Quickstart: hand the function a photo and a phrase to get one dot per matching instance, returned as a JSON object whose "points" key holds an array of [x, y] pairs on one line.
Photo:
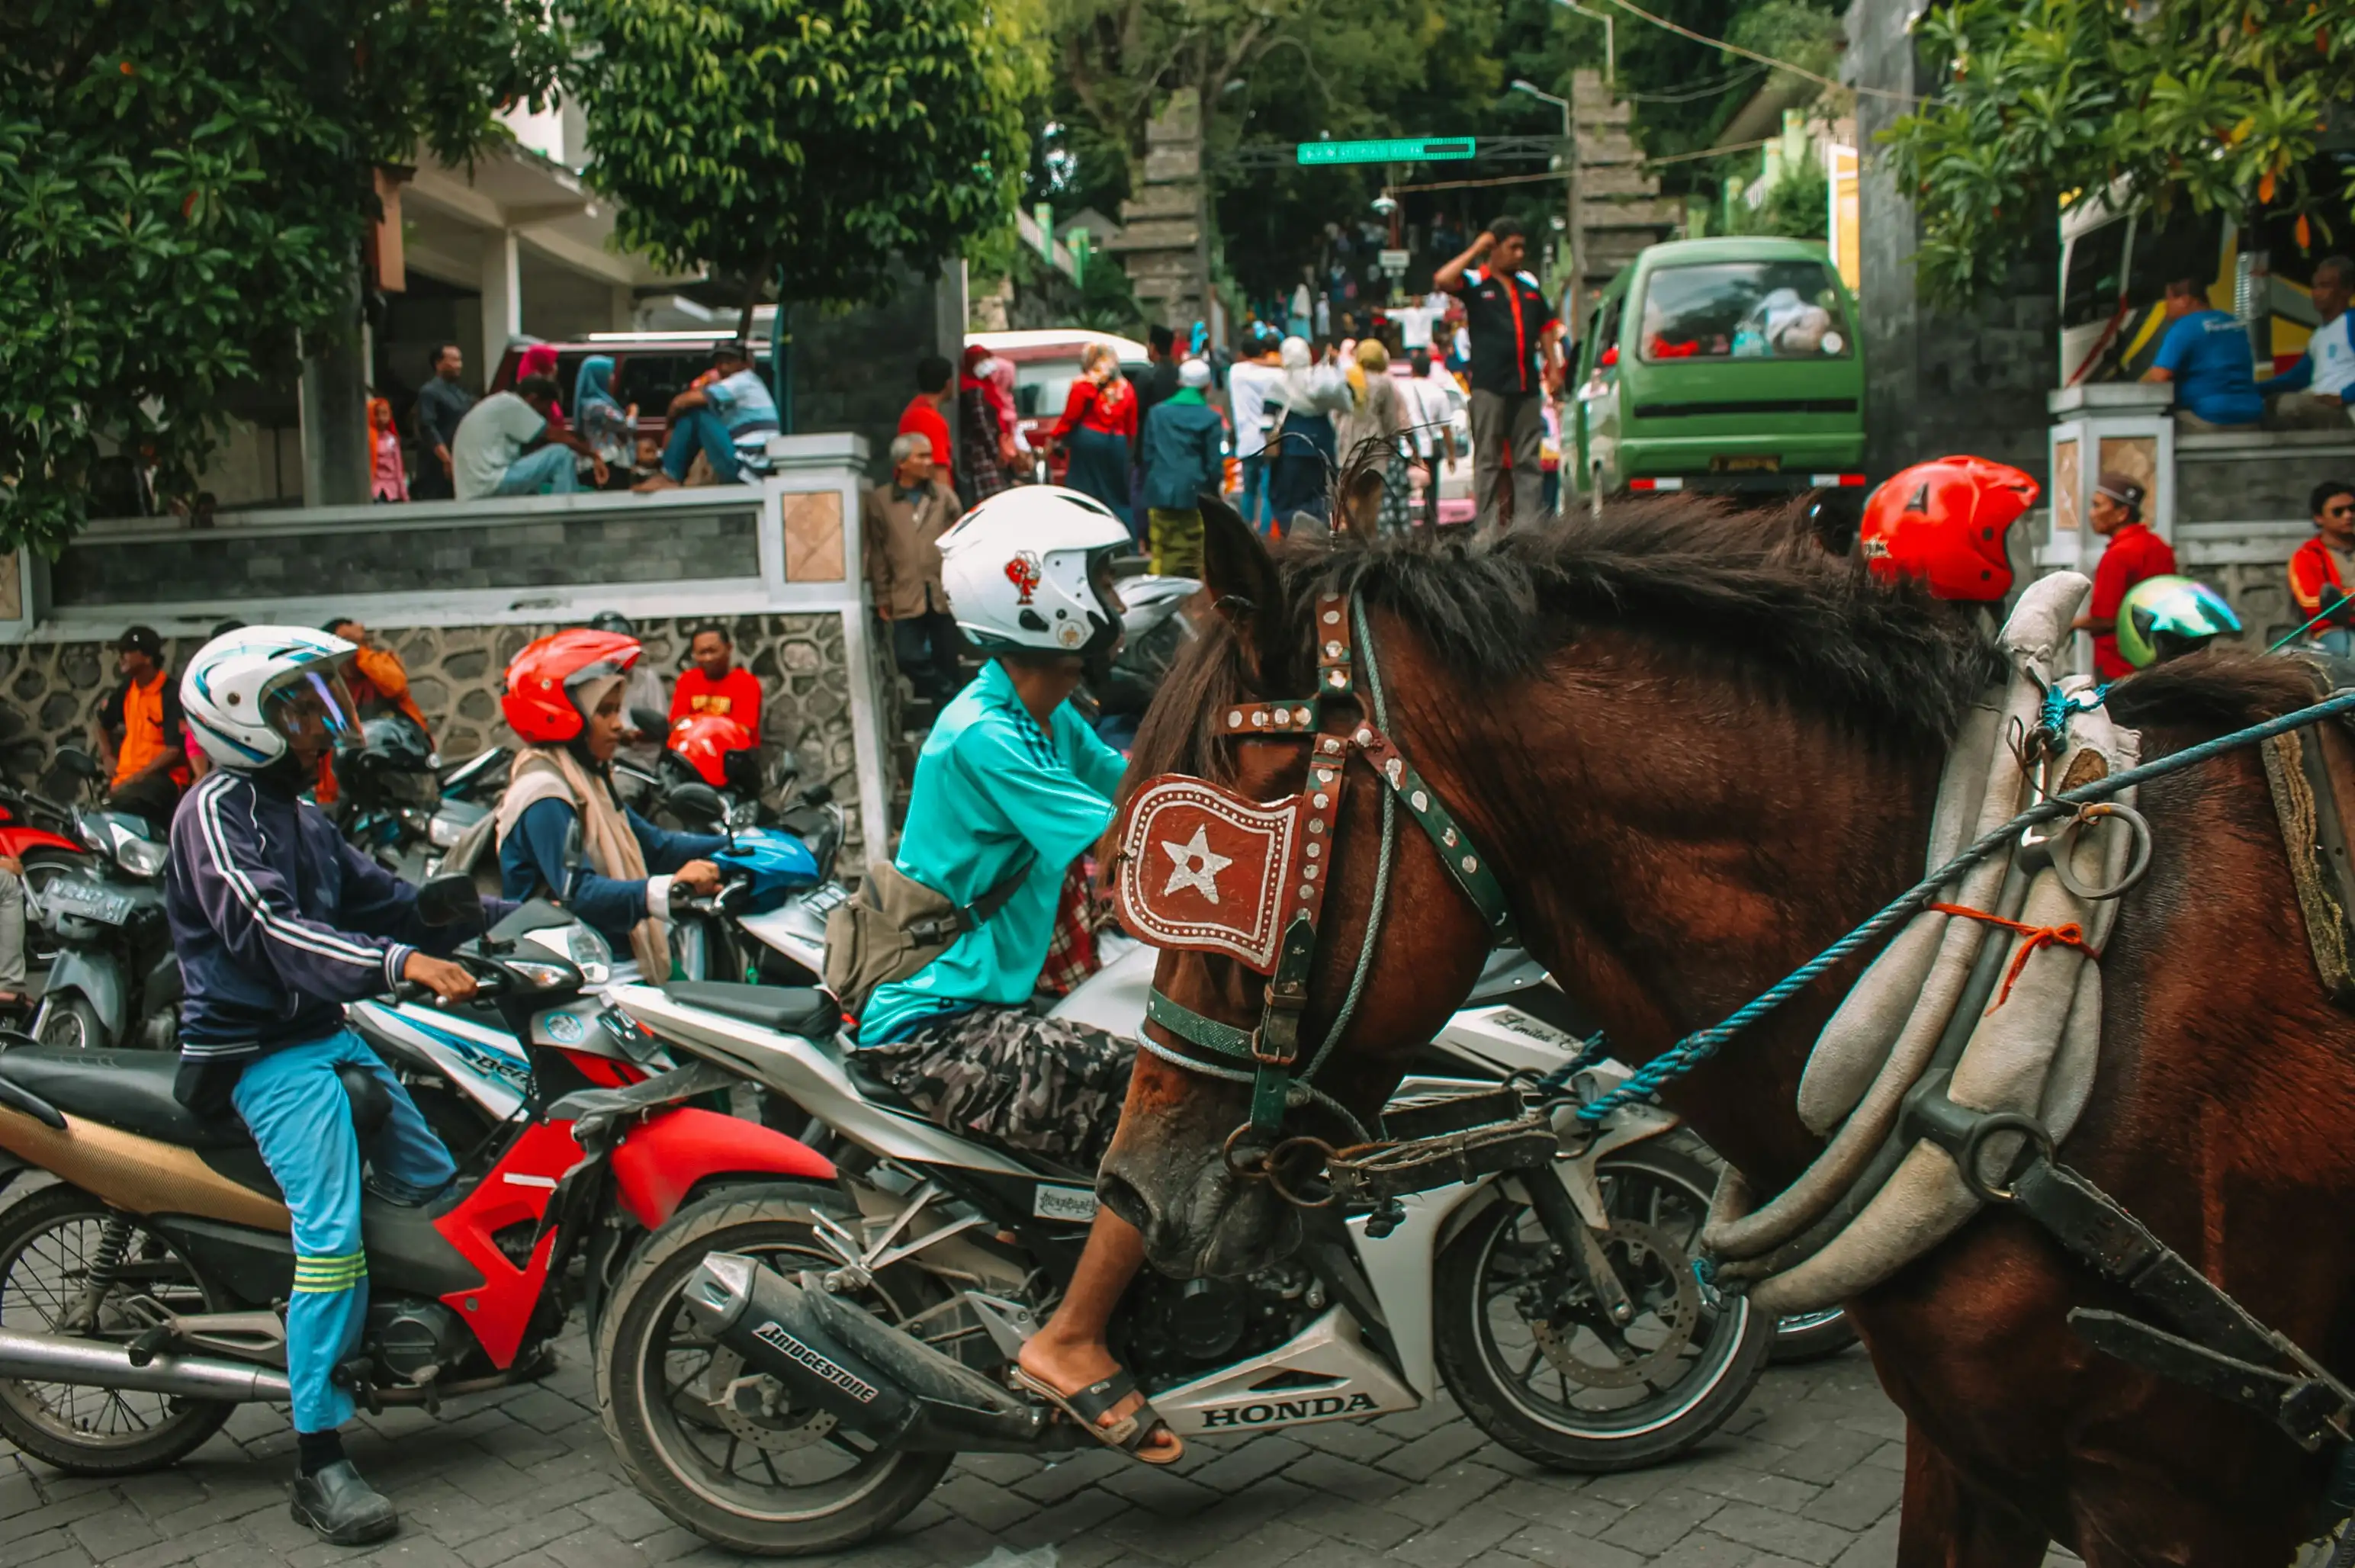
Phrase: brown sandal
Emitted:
{"points": [[1089, 1405]]}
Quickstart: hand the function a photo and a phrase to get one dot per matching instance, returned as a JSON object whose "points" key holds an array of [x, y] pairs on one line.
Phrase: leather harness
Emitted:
{"points": [[1272, 1049]]}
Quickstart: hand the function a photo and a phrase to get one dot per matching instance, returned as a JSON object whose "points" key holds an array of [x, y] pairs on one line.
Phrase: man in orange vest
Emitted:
{"points": [[379, 684], [138, 732]]}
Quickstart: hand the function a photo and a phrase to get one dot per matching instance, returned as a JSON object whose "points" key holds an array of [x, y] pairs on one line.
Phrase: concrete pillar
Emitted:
{"points": [[334, 407], [1936, 383], [502, 298]]}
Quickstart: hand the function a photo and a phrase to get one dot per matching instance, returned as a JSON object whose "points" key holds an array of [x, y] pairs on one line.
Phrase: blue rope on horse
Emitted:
{"points": [[1695, 1049]]}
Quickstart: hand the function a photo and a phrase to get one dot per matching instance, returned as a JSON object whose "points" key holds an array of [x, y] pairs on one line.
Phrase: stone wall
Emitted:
{"points": [[50, 691], [231, 564]]}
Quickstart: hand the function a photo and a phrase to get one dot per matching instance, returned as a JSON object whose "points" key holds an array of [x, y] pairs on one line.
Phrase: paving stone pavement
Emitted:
{"points": [[1807, 1474]]}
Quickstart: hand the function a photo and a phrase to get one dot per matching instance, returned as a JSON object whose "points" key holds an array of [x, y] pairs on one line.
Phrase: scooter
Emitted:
{"points": [[1468, 1288], [113, 981], [136, 1292]]}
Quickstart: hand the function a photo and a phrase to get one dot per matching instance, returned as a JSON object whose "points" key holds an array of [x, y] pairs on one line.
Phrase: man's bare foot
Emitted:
{"points": [[1068, 1368], [658, 482]]}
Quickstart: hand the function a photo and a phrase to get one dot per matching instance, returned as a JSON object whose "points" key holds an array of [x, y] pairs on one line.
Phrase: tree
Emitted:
{"points": [[2218, 103], [184, 186], [804, 140]]}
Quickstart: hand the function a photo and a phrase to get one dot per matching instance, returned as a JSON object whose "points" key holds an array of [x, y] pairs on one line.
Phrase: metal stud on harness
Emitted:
{"points": [[1293, 841]]}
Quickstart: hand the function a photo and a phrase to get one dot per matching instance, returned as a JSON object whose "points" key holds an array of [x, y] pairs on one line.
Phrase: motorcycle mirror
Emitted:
{"points": [[698, 800], [76, 761], [449, 900], [649, 721]]}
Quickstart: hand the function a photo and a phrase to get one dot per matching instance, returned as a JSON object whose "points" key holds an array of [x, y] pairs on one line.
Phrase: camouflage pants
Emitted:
{"points": [[1013, 1079]]}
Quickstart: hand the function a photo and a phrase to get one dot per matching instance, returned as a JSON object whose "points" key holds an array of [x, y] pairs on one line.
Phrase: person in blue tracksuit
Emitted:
{"points": [[277, 923]]}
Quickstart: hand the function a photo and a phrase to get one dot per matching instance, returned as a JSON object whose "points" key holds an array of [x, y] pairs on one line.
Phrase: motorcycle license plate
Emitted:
{"points": [[86, 900]]}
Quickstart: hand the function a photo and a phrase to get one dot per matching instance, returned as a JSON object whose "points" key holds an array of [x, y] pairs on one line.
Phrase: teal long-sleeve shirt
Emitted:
{"points": [[991, 788]]}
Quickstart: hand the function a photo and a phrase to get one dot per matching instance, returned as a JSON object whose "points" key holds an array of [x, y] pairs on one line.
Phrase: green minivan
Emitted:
{"points": [[1728, 365]]}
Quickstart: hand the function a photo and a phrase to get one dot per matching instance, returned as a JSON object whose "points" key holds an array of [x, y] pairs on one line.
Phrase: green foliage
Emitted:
{"points": [[807, 139], [2219, 103], [1798, 207], [184, 184]]}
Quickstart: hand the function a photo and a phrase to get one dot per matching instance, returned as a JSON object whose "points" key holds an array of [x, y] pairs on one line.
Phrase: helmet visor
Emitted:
{"points": [[312, 708]]}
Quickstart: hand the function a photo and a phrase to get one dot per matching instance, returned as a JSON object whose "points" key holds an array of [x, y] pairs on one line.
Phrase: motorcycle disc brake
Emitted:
{"points": [[765, 1427], [1655, 1272]]}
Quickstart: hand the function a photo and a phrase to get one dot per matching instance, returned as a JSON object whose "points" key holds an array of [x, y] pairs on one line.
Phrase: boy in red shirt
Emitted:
{"points": [[715, 683], [926, 415], [2132, 554]]}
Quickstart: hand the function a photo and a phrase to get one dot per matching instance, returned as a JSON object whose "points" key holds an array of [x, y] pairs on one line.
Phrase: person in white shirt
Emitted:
{"points": [[1414, 322], [2314, 394], [1431, 412], [505, 446], [1251, 382]]}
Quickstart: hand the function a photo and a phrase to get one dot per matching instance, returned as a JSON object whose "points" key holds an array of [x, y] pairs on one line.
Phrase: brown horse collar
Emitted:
{"points": [[1300, 835]]}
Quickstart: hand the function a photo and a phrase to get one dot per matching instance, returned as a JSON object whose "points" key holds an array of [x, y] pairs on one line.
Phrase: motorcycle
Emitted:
{"points": [[114, 980], [1155, 631], [1472, 1287], [135, 1291], [388, 788]]}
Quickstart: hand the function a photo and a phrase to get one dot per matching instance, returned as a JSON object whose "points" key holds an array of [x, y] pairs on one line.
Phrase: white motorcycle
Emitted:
{"points": [[822, 1385]]}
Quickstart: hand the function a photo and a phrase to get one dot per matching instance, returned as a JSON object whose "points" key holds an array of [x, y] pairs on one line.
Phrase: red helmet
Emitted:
{"points": [[1945, 523], [539, 704], [705, 740]]}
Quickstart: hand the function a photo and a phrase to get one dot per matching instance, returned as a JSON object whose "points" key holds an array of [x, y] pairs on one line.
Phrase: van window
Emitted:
{"points": [[1745, 310], [2185, 245], [651, 379], [1041, 387], [1605, 332], [2095, 275]]}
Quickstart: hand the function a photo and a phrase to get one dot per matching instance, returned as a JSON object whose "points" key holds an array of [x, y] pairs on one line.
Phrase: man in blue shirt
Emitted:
{"points": [[734, 406], [2206, 354], [1012, 788]]}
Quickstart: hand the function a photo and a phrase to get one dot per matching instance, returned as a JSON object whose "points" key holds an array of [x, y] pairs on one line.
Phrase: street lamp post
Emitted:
{"points": [[1572, 240]]}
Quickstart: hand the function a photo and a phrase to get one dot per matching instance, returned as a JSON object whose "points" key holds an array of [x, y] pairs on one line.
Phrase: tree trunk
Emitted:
{"points": [[753, 283]]}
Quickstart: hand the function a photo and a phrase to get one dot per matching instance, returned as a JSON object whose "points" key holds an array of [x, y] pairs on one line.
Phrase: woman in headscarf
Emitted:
{"points": [[563, 833], [1304, 452], [1376, 413], [985, 449], [610, 429], [389, 480], [1099, 427], [539, 359]]}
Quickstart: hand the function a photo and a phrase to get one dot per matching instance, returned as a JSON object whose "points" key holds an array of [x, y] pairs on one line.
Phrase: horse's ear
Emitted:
{"points": [[1244, 587]]}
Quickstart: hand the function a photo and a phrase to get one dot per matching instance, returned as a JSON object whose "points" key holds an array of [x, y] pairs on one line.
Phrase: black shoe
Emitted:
{"points": [[344, 1509]]}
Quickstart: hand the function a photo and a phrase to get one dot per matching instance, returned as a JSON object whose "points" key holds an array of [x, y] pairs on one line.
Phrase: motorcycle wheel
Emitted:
{"points": [[68, 1023], [1812, 1337], [1559, 1393], [47, 1242], [780, 1485]]}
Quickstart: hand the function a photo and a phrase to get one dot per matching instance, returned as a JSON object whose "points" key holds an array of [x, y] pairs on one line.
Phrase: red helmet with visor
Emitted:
{"points": [[1943, 523], [540, 705], [704, 742]]}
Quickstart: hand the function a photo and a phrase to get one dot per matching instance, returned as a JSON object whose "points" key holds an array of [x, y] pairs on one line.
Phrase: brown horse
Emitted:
{"points": [[1699, 750]]}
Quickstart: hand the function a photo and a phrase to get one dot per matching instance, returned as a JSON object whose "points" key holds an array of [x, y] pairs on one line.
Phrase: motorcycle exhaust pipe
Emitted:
{"points": [[94, 1363], [879, 1381]]}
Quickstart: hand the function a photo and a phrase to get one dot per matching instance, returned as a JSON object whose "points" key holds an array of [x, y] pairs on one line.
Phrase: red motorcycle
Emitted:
{"points": [[136, 1292]]}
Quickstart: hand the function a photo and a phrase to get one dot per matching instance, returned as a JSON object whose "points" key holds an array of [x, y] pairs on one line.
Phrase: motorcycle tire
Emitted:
{"points": [[665, 1443], [1812, 1337], [69, 1437], [1734, 1341], [68, 1023]]}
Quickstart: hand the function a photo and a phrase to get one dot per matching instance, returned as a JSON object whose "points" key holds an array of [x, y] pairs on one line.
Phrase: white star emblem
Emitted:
{"points": [[1194, 865]]}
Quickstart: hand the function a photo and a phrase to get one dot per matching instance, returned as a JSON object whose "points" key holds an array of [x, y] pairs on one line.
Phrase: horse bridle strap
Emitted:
{"points": [[1272, 1049]]}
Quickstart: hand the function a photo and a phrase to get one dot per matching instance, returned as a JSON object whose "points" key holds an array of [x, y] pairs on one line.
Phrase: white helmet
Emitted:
{"points": [[244, 692], [1017, 568]]}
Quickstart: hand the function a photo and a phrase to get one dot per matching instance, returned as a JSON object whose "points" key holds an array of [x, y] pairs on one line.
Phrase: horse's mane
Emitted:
{"points": [[1723, 593], [1750, 595]]}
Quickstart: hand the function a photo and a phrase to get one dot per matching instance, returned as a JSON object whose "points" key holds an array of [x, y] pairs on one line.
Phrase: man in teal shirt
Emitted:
{"points": [[1013, 785]]}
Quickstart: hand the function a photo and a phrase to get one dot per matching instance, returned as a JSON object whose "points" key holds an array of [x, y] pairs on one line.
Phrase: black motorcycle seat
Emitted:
{"points": [[129, 1090], [789, 1009]]}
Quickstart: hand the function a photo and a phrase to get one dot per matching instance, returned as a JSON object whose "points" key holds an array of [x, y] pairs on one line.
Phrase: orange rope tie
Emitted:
{"points": [[2069, 935]]}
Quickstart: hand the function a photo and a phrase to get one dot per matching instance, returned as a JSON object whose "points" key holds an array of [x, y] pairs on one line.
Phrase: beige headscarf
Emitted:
{"points": [[553, 772]]}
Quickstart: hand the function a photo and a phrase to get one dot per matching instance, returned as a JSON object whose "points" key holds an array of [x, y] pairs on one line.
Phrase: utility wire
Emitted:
{"points": [[1739, 79], [1800, 71]]}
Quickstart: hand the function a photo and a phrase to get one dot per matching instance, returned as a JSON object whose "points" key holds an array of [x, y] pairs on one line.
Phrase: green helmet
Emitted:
{"points": [[2166, 617]]}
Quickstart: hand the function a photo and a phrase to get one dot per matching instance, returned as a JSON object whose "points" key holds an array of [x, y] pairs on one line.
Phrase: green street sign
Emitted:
{"points": [[1399, 150]]}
